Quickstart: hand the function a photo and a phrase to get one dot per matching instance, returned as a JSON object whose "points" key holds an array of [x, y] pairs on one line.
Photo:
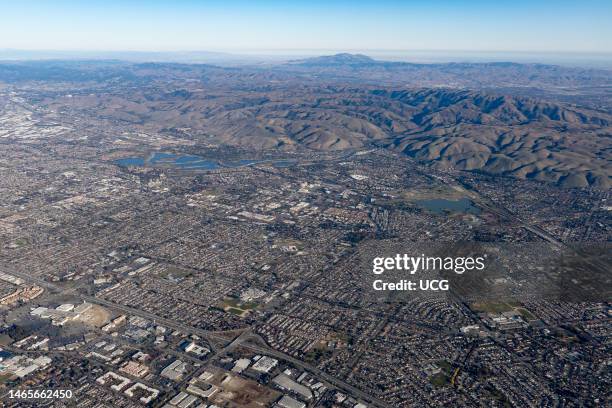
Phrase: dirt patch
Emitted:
{"points": [[95, 316], [239, 392]]}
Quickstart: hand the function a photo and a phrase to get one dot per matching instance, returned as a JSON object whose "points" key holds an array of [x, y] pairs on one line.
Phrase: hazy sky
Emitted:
{"points": [[181, 25]]}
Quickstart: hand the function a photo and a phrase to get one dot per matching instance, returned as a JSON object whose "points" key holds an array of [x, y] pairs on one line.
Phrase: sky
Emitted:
{"points": [[276, 26]]}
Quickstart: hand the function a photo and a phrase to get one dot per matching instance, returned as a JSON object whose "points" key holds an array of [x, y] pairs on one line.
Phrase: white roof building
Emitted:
{"points": [[241, 365], [265, 364]]}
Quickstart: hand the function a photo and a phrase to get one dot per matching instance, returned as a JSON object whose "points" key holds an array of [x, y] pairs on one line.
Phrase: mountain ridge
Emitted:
{"points": [[451, 128]]}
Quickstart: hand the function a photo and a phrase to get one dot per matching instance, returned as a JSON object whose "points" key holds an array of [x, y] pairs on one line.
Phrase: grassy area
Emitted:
{"points": [[21, 242], [435, 191], [316, 355], [500, 307], [445, 366], [249, 306], [235, 303], [491, 307], [231, 302], [526, 314], [443, 378], [235, 311], [299, 245], [439, 380], [175, 273]]}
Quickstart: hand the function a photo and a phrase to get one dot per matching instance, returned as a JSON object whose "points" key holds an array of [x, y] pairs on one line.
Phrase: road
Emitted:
{"points": [[339, 384]]}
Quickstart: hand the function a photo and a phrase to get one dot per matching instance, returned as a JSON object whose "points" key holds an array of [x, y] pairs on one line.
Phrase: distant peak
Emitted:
{"points": [[337, 59], [345, 56]]}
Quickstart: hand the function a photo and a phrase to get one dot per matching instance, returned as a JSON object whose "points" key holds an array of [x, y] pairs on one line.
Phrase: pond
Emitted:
{"points": [[190, 162], [161, 159]]}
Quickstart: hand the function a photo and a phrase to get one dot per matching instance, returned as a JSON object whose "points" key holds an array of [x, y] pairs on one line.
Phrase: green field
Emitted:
{"points": [[439, 380], [491, 307], [235, 306], [235, 311]]}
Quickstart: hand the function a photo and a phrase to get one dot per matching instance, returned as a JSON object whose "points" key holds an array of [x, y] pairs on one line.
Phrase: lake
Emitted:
{"points": [[190, 162], [161, 159]]}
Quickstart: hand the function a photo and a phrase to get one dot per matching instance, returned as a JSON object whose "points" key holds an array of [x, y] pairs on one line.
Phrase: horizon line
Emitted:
{"points": [[236, 50]]}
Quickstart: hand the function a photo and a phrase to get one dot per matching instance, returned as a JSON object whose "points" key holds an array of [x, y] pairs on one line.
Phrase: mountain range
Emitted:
{"points": [[305, 105]]}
